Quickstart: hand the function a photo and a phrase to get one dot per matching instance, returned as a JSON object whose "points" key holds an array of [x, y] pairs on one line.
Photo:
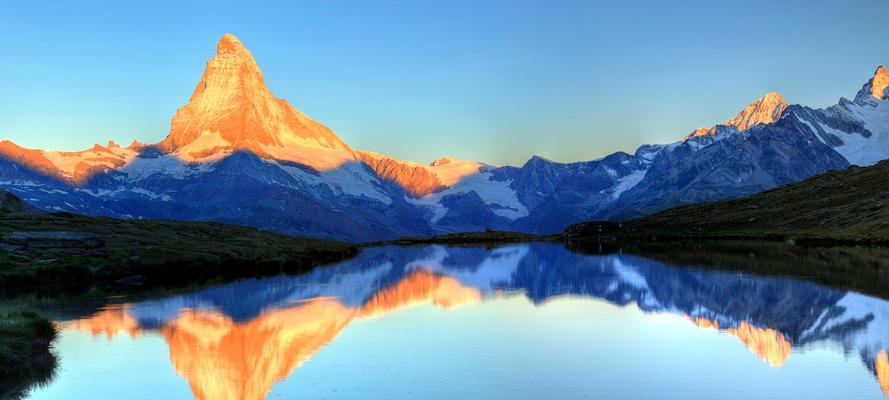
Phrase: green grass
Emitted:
{"points": [[25, 356], [162, 251], [156, 254], [850, 205], [846, 206]]}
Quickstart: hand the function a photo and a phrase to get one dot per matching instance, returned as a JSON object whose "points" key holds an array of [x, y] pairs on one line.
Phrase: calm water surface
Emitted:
{"points": [[518, 322]]}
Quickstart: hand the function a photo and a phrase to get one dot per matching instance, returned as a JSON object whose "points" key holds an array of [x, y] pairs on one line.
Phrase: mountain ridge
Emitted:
{"points": [[764, 110], [237, 154], [839, 205]]}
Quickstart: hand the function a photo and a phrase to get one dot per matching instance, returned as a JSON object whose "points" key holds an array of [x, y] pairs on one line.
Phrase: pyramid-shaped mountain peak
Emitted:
{"points": [[231, 108], [229, 44]]}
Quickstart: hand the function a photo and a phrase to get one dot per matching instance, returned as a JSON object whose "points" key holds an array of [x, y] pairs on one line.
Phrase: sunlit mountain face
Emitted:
{"points": [[237, 154], [241, 340]]}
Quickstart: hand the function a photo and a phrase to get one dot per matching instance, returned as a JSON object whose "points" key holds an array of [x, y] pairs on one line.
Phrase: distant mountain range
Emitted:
{"points": [[838, 206], [237, 154]]}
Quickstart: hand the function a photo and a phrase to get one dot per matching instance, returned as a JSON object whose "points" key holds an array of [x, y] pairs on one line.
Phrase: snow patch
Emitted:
{"points": [[452, 171], [628, 182], [858, 149], [162, 197], [489, 190], [140, 168], [349, 179]]}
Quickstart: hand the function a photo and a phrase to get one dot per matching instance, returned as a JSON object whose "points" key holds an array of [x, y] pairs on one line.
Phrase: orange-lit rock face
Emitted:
{"points": [[33, 159], [111, 322], [230, 109], [417, 180], [881, 366], [74, 167], [768, 344], [765, 110], [880, 83], [700, 132], [232, 100]]}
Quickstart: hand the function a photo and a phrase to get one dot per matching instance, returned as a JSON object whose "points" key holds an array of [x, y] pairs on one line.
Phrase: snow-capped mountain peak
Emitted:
{"points": [[859, 129], [451, 170], [237, 154], [231, 108], [764, 110], [876, 89]]}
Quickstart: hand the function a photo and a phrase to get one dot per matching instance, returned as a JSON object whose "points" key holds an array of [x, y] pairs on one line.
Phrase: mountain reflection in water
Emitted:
{"points": [[235, 341]]}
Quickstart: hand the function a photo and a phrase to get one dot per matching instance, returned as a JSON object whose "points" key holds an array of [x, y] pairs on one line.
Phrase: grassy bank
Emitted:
{"points": [[63, 248], [57, 252], [847, 206], [25, 356]]}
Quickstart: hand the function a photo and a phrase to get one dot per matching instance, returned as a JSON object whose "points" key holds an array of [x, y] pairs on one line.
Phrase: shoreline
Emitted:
{"points": [[856, 267], [67, 250], [26, 358]]}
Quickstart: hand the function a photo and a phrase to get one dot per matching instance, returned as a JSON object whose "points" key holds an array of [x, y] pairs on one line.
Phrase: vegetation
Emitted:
{"points": [[847, 206], [758, 234], [25, 357], [40, 249], [75, 252]]}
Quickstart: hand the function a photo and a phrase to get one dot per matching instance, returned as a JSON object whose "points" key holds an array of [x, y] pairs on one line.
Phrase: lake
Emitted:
{"points": [[527, 321]]}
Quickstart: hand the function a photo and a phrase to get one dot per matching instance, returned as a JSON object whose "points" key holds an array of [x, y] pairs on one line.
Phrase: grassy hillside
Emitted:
{"points": [[40, 248], [846, 205]]}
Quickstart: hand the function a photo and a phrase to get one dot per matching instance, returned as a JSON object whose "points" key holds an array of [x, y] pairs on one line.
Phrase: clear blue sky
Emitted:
{"points": [[494, 81]]}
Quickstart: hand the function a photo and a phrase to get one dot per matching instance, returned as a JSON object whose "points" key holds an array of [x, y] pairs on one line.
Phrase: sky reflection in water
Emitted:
{"points": [[524, 321]]}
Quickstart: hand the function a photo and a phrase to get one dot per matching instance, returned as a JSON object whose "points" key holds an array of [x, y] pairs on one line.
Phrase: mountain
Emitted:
{"points": [[763, 111], [737, 165], [236, 154], [768, 144], [755, 151], [39, 248], [232, 109], [850, 204], [416, 179], [9, 203], [448, 190], [857, 129]]}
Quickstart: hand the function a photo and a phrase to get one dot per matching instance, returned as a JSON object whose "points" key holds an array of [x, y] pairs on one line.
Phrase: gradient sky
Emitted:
{"points": [[494, 81]]}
